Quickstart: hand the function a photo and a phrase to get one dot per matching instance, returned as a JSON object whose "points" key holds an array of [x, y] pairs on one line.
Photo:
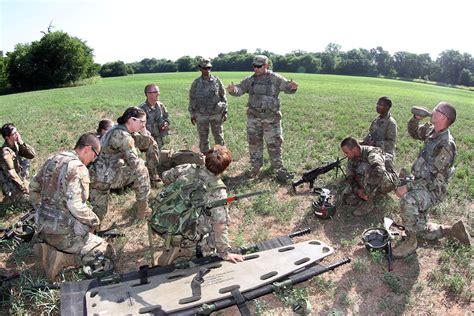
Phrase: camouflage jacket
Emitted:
{"points": [[11, 163], [118, 151], [215, 225], [156, 116], [368, 167], [264, 91], [434, 165], [207, 96], [383, 133], [61, 188]]}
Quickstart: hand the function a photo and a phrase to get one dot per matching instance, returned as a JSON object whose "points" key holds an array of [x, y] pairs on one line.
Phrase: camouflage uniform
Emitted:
{"points": [[212, 229], [147, 144], [63, 217], [118, 165], [264, 116], [432, 170], [208, 103], [156, 116], [372, 172], [383, 134], [14, 170]]}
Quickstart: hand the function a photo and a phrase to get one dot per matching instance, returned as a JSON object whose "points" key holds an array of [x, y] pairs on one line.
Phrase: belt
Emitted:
{"points": [[263, 110]]}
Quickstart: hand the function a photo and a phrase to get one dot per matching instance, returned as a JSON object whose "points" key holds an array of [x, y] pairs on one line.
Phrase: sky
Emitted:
{"points": [[132, 30]]}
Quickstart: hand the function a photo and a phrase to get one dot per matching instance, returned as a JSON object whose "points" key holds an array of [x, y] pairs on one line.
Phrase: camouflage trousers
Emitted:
{"points": [[215, 122], [12, 195], [264, 127], [149, 146], [74, 238], [100, 191], [414, 207]]}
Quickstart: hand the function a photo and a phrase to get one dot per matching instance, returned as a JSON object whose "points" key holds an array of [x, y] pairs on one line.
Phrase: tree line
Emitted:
{"points": [[59, 59]]}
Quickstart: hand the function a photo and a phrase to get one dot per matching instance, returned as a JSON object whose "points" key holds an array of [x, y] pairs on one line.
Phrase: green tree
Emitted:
{"points": [[57, 59], [3, 71], [465, 77], [186, 63], [114, 69]]}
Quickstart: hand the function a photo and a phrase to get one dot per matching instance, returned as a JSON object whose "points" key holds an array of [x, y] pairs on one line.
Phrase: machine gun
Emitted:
{"points": [[21, 230], [312, 175]]}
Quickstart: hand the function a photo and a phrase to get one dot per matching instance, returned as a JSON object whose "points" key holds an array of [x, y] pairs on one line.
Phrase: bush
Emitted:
{"points": [[114, 69]]}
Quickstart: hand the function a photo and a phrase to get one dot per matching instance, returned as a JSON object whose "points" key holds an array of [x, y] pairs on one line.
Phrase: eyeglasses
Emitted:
{"points": [[138, 120], [153, 92], [257, 66], [207, 68], [95, 152]]}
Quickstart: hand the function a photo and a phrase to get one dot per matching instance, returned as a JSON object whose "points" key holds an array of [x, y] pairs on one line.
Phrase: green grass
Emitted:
{"points": [[326, 109]]}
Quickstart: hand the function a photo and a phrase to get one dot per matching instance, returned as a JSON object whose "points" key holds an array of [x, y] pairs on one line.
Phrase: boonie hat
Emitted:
{"points": [[205, 63], [447, 110], [260, 60]]}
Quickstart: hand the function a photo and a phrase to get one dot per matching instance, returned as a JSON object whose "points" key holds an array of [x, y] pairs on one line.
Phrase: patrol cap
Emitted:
{"points": [[447, 110], [260, 60], [206, 62]]}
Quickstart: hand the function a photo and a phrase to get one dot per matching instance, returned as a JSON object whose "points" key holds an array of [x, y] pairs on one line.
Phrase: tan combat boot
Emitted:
{"points": [[406, 247], [143, 211], [458, 231], [56, 261]]}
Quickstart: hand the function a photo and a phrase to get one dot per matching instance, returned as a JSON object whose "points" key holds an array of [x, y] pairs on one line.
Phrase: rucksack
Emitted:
{"points": [[178, 207]]}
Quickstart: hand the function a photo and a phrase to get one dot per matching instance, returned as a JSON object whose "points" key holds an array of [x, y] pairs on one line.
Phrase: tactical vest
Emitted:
{"points": [[176, 211], [263, 95], [424, 168], [110, 160], [155, 118], [52, 208], [207, 95]]}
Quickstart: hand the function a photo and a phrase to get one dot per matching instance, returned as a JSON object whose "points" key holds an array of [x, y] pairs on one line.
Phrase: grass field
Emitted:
{"points": [[325, 110]]}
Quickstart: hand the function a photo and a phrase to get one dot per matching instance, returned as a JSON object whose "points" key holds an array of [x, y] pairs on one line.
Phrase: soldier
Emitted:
{"points": [[369, 173], [432, 170], [383, 130], [14, 166], [104, 126], [264, 115], [64, 219], [157, 117], [208, 106], [210, 229], [119, 165]]}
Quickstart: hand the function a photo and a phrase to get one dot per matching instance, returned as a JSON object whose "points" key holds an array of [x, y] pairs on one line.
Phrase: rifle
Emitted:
{"points": [[245, 250], [12, 231], [312, 175], [111, 232]]}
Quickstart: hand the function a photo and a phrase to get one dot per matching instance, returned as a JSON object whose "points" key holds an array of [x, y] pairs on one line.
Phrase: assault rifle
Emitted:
{"points": [[21, 230], [312, 175]]}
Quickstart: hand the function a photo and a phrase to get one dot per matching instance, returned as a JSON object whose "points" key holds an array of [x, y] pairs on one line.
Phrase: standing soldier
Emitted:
{"points": [[15, 165], [432, 170], [64, 219], [383, 130], [264, 115], [156, 115], [208, 106], [119, 165], [369, 173]]}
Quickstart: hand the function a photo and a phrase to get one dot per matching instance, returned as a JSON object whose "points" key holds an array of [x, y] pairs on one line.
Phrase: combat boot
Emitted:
{"points": [[253, 172], [56, 261], [458, 231], [283, 175], [143, 211], [406, 247]]}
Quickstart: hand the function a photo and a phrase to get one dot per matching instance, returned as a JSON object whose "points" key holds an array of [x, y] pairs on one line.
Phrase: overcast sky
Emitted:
{"points": [[133, 30]]}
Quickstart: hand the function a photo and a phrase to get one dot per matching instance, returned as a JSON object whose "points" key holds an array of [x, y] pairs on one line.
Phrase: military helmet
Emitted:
{"points": [[24, 232], [323, 210], [375, 238]]}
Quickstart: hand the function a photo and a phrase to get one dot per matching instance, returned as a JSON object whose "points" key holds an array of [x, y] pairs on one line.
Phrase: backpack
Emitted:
{"points": [[178, 207]]}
